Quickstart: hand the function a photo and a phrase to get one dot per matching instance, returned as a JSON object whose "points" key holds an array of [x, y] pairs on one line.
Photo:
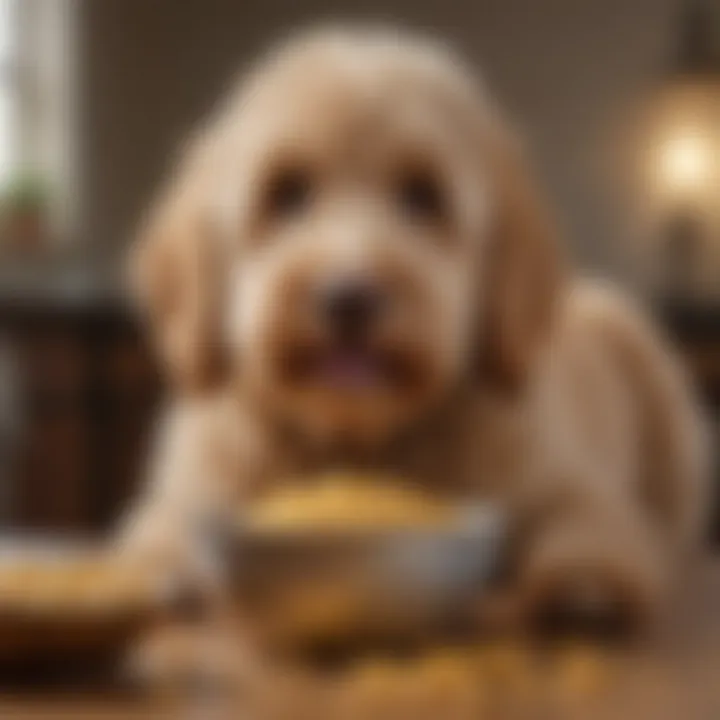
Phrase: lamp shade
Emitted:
{"points": [[680, 158], [684, 136], [684, 143]]}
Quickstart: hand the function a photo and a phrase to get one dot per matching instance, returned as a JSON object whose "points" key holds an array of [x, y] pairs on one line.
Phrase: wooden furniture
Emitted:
{"points": [[670, 679], [695, 328], [83, 390]]}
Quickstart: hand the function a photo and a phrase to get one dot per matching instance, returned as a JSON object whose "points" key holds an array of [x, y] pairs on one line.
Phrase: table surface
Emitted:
{"points": [[678, 678]]}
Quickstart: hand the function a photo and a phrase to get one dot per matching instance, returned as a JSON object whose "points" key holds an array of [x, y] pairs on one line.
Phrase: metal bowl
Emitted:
{"points": [[326, 585]]}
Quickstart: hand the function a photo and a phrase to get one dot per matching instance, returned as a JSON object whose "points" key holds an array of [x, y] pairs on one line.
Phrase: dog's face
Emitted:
{"points": [[332, 245]]}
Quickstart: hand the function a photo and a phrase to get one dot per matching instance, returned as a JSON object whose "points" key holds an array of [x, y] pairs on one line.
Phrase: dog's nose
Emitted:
{"points": [[351, 306]]}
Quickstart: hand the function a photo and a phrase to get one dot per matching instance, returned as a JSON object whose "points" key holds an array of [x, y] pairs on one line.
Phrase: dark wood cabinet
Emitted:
{"points": [[84, 390], [695, 330]]}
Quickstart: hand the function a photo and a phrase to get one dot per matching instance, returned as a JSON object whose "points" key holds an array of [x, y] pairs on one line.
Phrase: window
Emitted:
{"points": [[36, 100], [9, 101]]}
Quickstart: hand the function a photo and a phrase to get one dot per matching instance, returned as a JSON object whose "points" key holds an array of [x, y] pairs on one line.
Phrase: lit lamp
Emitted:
{"points": [[685, 152]]}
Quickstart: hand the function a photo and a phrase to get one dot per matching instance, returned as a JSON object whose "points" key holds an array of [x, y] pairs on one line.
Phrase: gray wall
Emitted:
{"points": [[567, 70]]}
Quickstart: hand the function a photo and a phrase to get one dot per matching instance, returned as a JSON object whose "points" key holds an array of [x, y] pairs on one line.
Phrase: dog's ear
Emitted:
{"points": [[524, 272], [175, 277]]}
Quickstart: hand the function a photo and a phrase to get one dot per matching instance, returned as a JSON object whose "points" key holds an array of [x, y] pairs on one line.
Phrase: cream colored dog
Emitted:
{"points": [[352, 267]]}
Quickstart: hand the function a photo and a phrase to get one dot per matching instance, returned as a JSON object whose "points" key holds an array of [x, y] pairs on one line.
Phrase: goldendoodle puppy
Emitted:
{"points": [[352, 267]]}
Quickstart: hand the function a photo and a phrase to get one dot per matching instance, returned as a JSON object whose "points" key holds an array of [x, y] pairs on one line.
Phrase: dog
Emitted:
{"points": [[352, 266]]}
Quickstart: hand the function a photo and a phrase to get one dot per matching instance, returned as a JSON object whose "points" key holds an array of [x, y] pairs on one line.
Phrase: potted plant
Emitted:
{"points": [[24, 212]]}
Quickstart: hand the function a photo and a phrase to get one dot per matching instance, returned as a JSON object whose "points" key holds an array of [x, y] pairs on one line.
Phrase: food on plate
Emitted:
{"points": [[71, 584]]}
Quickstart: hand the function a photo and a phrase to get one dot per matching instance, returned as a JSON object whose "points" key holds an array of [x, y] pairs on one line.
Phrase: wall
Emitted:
{"points": [[566, 69]]}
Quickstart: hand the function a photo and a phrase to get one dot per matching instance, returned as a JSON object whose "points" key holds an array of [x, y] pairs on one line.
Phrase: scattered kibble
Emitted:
{"points": [[496, 680]]}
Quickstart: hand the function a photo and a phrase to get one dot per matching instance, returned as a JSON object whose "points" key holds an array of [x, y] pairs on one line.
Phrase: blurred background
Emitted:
{"points": [[619, 102]]}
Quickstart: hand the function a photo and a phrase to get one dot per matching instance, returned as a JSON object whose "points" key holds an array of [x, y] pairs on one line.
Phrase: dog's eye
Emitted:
{"points": [[288, 193], [420, 196]]}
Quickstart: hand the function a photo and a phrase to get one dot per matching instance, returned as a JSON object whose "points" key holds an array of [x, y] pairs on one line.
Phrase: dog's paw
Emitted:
{"points": [[586, 604]]}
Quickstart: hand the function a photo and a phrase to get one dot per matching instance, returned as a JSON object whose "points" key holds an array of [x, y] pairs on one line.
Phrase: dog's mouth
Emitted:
{"points": [[352, 367]]}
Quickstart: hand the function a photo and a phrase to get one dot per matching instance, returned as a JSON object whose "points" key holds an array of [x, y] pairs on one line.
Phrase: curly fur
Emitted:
{"points": [[547, 394]]}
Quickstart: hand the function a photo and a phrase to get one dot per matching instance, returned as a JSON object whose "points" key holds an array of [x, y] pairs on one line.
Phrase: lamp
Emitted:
{"points": [[685, 148]]}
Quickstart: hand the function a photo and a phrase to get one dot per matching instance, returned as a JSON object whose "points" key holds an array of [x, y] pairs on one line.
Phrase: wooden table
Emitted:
{"points": [[678, 679]]}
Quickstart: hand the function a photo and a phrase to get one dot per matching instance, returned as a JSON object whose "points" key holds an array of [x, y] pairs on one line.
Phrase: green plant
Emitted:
{"points": [[25, 193]]}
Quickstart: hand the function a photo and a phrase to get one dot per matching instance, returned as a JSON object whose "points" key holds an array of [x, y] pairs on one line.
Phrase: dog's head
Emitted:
{"points": [[352, 236]]}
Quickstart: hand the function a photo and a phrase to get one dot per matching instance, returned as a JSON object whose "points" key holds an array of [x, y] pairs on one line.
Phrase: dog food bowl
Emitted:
{"points": [[66, 605], [397, 565]]}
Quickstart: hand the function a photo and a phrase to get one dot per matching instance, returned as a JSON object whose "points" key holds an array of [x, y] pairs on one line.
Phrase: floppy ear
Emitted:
{"points": [[524, 272], [175, 272]]}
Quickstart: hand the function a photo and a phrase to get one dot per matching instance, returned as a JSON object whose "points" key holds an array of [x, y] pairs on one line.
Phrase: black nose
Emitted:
{"points": [[351, 306]]}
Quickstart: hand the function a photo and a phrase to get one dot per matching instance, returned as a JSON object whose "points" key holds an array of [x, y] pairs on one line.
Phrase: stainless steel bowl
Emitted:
{"points": [[307, 586]]}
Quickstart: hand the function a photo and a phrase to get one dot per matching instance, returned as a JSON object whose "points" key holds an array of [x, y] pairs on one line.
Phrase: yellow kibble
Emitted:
{"points": [[504, 661], [348, 501], [580, 672], [452, 687], [70, 586], [449, 666], [511, 674], [373, 690], [15, 583], [442, 683]]}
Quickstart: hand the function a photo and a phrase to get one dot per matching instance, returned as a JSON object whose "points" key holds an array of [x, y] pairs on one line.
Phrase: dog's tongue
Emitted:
{"points": [[348, 368]]}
